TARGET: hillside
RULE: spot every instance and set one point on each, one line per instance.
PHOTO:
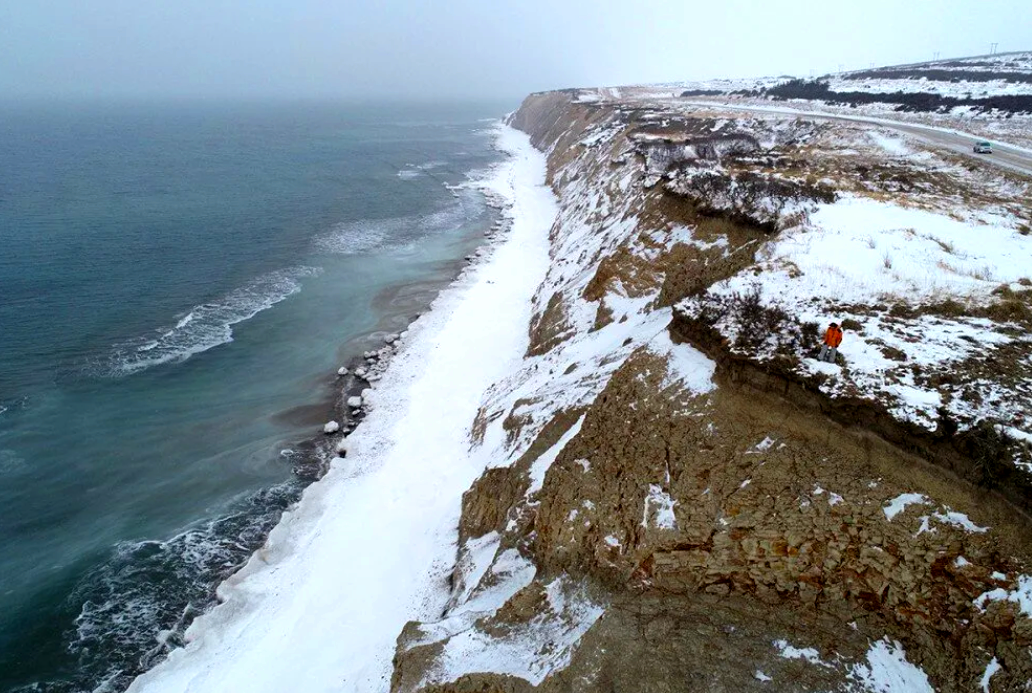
(988, 95)
(679, 494)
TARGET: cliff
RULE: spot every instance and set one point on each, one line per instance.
(680, 495)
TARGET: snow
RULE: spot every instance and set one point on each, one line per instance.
(888, 671)
(990, 669)
(761, 677)
(961, 520)
(530, 651)
(764, 444)
(960, 562)
(787, 651)
(660, 506)
(896, 505)
(1020, 595)
(474, 561)
(545, 461)
(860, 252)
(891, 144)
(686, 365)
(509, 574)
(931, 255)
(881, 114)
(331, 427)
(366, 550)
(961, 89)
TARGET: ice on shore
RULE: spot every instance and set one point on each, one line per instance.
(319, 608)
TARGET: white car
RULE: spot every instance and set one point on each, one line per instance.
(983, 148)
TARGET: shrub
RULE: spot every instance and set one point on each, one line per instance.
(990, 450)
(852, 325)
(817, 90)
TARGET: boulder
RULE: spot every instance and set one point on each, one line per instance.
(342, 447)
(354, 402)
(342, 371)
(331, 427)
(365, 393)
(361, 372)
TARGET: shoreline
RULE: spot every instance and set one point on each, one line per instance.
(366, 448)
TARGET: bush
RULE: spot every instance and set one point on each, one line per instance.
(817, 90)
(990, 450)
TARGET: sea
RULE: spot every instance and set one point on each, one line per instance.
(179, 282)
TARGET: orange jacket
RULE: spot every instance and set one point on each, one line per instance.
(833, 337)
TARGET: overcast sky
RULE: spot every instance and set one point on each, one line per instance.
(419, 48)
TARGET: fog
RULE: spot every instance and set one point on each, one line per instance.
(465, 48)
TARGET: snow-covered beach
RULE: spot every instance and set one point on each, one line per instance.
(370, 546)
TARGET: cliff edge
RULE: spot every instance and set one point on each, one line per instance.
(681, 494)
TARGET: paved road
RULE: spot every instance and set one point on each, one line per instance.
(1003, 156)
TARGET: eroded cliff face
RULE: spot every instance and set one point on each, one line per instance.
(673, 508)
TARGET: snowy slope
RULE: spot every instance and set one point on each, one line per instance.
(369, 546)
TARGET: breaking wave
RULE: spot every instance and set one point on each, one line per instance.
(415, 170)
(352, 238)
(207, 325)
(137, 605)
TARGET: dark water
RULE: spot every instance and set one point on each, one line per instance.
(173, 278)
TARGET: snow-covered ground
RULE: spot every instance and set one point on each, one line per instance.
(961, 89)
(864, 252)
(370, 546)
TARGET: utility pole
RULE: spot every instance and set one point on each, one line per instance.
(935, 55)
(992, 48)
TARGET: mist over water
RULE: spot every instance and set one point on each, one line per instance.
(177, 279)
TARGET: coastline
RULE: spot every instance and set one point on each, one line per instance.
(381, 525)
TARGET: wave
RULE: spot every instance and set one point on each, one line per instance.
(352, 238)
(137, 605)
(415, 170)
(207, 325)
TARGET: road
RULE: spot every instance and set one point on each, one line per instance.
(1003, 156)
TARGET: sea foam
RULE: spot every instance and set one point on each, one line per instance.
(207, 325)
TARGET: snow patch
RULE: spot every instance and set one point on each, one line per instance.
(787, 651)
(1020, 595)
(547, 459)
(896, 505)
(529, 651)
(660, 507)
(990, 670)
(888, 671)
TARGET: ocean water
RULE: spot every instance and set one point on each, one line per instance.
(178, 283)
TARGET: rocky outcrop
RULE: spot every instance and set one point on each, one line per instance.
(666, 512)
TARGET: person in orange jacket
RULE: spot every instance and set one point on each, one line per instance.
(832, 339)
